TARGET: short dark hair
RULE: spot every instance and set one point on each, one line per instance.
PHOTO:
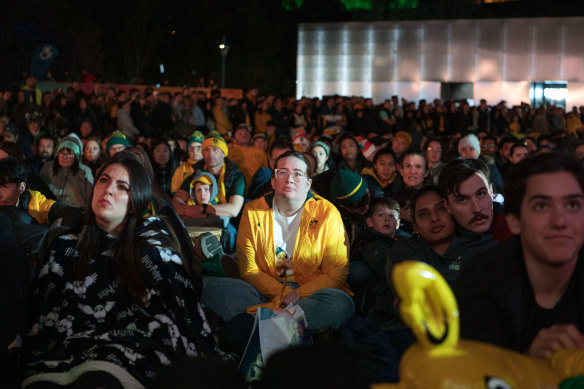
(459, 170)
(384, 151)
(280, 143)
(298, 155)
(542, 138)
(506, 139)
(382, 202)
(516, 179)
(12, 171)
(37, 140)
(489, 137)
(515, 146)
(427, 143)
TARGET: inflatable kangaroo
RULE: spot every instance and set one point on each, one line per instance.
(439, 359)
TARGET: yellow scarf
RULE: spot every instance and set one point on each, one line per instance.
(220, 199)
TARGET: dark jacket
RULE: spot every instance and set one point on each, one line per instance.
(497, 302)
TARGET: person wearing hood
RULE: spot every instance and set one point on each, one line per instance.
(66, 176)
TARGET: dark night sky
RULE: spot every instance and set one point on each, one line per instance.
(120, 40)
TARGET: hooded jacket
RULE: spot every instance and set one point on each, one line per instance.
(71, 186)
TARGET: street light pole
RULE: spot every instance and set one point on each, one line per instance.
(223, 49)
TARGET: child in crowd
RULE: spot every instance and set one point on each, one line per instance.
(203, 190)
(368, 262)
(382, 222)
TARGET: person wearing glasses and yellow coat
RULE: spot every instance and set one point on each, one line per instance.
(291, 248)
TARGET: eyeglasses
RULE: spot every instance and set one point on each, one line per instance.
(437, 149)
(297, 175)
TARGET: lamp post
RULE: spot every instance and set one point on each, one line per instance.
(223, 49)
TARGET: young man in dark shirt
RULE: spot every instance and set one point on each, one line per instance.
(528, 293)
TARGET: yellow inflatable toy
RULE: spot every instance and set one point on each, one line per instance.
(440, 360)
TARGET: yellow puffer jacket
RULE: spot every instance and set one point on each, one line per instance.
(320, 254)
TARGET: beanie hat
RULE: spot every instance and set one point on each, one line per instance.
(367, 148)
(300, 138)
(470, 140)
(196, 137)
(404, 135)
(70, 142)
(216, 140)
(259, 136)
(347, 187)
(117, 138)
(326, 148)
(205, 178)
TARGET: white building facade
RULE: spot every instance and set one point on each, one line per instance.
(499, 59)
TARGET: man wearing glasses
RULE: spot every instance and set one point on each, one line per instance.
(291, 248)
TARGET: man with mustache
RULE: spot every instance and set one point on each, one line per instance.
(527, 294)
(467, 191)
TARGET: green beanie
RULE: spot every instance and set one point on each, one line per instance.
(326, 148)
(347, 187)
(117, 138)
(196, 137)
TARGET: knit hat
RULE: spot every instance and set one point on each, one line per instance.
(404, 135)
(470, 140)
(367, 148)
(205, 178)
(70, 143)
(117, 138)
(216, 140)
(347, 187)
(259, 136)
(299, 139)
(196, 137)
(327, 149)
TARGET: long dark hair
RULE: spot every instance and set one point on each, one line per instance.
(128, 244)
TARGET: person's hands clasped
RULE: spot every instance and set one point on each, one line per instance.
(555, 338)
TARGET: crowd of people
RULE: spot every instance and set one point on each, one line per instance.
(315, 201)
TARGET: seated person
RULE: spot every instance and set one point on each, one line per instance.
(66, 176)
(230, 182)
(291, 248)
(383, 179)
(413, 168)
(115, 143)
(431, 243)
(372, 247)
(230, 185)
(14, 193)
(369, 256)
(194, 145)
(527, 294)
(203, 189)
(114, 303)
